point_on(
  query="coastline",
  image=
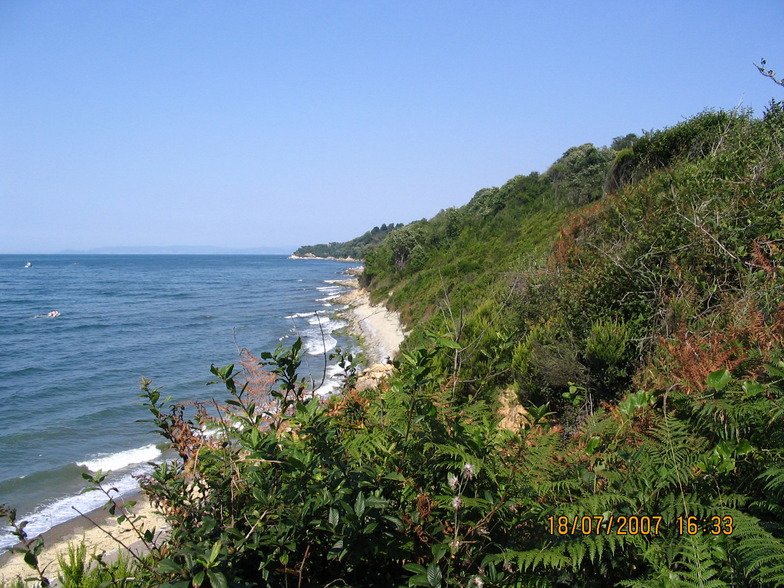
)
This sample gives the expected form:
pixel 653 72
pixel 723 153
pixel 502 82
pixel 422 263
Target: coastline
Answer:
pixel 379 328
pixel 381 334
pixel 311 256
pixel 78 530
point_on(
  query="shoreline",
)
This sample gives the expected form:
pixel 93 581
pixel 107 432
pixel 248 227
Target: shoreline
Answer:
pixel 80 529
pixel 380 333
pixel 311 256
pixel 379 328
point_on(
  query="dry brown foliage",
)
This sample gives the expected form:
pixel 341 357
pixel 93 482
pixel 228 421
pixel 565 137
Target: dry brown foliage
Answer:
pixel 692 355
pixel 351 406
pixel 576 225
pixel 695 355
pixel 256 385
pixel 765 259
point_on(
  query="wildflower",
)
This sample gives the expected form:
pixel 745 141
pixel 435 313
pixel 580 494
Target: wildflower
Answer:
pixel 468 471
pixel 477 581
pixel 457 502
pixel 451 479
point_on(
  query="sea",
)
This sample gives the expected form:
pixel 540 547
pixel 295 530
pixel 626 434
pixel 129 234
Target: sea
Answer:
pixel 69 383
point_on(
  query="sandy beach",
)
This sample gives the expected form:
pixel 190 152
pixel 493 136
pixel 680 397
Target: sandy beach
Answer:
pixel 380 328
pixel 78 530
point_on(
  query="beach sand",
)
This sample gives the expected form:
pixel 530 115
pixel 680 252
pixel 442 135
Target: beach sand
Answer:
pixel 75 531
pixel 380 328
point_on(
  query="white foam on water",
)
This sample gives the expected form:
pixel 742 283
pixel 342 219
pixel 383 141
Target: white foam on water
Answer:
pixel 329 324
pixel 330 289
pixel 64 509
pixel 315 344
pixel 318 339
pixel 117 461
pixel 300 314
pixel 332 382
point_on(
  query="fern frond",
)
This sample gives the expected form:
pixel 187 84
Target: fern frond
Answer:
pixel 459 455
pixel 674 456
pixel 774 481
pixel 698 558
pixel 759 553
pixel 553 558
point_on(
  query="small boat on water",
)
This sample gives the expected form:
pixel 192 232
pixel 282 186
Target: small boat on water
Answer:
pixel 29 264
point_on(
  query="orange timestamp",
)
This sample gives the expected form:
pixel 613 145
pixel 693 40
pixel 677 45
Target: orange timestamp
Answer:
pixel 604 525
pixel 716 525
pixel 636 525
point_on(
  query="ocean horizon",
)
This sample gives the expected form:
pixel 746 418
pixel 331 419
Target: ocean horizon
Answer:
pixel 79 332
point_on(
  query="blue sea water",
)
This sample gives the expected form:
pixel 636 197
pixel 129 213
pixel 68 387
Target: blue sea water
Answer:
pixel 69 384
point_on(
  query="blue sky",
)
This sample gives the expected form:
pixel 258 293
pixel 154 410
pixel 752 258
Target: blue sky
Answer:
pixel 282 123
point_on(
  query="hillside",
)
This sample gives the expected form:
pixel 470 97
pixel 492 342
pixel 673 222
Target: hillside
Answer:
pixel 650 330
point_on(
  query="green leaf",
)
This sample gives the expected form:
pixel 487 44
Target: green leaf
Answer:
pixel 167 566
pixel 30 559
pixel 744 447
pixel 398 523
pixel 724 449
pixel 217 579
pixel 337 551
pixel 753 388
pixel 434 575
pixel 439 551
pixel 376 502
pixel 719 379
pixel 359 504
pixel 449 343
pixel 38 546
pixel 334 517
pixel 215 551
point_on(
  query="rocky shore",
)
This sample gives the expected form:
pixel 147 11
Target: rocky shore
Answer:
pixel 311 256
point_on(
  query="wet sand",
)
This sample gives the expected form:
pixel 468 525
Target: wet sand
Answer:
pixel 75 531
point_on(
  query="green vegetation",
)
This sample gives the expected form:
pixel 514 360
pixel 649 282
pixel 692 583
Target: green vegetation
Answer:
pixel 355 249
pixel 629 298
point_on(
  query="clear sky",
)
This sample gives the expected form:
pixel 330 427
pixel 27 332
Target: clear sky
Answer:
pixel 282 122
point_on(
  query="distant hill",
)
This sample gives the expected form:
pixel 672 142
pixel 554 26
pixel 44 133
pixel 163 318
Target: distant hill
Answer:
pixel 355 249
